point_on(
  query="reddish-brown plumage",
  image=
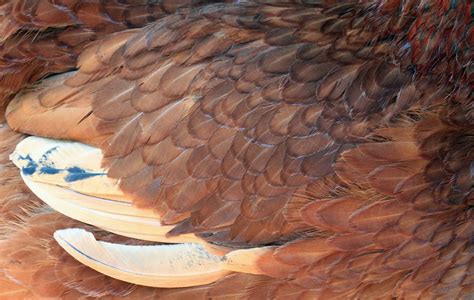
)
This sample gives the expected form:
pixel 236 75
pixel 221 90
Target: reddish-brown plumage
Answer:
pixel 305 128
pixel 435 35
pixel 42 37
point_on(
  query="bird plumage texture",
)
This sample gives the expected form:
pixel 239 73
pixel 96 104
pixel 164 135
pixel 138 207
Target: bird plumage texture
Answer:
pixel 322 131
pixel 43 37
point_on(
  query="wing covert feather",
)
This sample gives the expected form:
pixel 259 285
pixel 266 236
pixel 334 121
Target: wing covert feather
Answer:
pixel 278 130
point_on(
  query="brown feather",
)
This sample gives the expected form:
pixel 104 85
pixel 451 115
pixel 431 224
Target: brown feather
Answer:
pixel 285 124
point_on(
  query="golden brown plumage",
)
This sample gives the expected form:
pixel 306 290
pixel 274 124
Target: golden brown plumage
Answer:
pixel 298 127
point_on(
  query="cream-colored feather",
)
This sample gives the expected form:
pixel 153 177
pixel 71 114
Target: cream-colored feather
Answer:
pixel 68 164
pixel 164 266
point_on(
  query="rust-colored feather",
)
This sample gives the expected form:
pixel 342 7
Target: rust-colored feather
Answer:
pixel 297 127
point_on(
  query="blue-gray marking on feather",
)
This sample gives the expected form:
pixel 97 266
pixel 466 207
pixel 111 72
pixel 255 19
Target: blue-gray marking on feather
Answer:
pixel 76 174
pixel 44 160
pixel 31 167
pixel 46 166
pixel 49 170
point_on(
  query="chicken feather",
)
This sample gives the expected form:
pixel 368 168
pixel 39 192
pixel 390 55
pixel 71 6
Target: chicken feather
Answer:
pixel 301 127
